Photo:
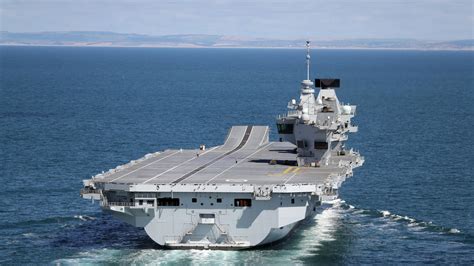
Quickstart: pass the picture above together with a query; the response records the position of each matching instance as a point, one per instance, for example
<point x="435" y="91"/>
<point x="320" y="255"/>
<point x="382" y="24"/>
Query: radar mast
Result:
<point x="308" y="59"/>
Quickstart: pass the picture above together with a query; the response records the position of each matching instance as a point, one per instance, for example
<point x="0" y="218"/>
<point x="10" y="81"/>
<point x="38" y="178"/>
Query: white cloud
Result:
<point x="335" y="19"/>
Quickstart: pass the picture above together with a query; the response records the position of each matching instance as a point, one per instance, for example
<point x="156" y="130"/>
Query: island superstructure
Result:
<point x="246" y="192"/>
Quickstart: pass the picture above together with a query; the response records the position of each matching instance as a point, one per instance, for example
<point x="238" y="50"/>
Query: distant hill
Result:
<point x="92" y="38"/>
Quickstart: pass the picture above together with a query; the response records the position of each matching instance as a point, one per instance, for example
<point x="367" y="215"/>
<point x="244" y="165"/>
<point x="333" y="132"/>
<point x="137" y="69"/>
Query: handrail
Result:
<point x="288" y="114"/>
<point x="292" y="112"/>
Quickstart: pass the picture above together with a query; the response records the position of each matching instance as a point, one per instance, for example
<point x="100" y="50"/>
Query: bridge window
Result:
<point x="219" y="200"/>
<point x="285" y="128"/>
<point x="320" y="145"/>
<point x="243" y="202"/>
<point x="194" y="200"/>
<point x="327" y="109"/>
<point x="168" y="202"/>
<point x="301" y="144"/>
<point x="206" y="215"/>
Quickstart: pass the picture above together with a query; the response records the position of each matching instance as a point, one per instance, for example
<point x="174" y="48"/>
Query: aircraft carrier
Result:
<point x="246" y="192"/>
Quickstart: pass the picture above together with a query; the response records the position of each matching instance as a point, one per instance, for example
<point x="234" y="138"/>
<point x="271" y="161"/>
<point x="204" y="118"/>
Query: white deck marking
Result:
<point x="174" y="167"/>
<point x="243" y="160"/>
<point x="293" y="175"/>
<point x="264" y="134"/>
<point x="144" y="166"/>
<point x="237" y="143"/>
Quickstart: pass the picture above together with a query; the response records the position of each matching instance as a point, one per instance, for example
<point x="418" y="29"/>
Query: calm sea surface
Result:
<point x="69" y="113"/>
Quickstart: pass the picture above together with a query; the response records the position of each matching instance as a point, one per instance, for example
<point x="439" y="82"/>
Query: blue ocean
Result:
<point x="67" y="113"/>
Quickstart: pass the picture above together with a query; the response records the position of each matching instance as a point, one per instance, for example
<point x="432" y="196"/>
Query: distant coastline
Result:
<point x="111" y="39"/>
<point x="238" y="47"/>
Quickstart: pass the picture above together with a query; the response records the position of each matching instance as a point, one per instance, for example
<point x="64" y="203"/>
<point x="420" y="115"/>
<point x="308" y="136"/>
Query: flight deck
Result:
<point x="245" y="157"/>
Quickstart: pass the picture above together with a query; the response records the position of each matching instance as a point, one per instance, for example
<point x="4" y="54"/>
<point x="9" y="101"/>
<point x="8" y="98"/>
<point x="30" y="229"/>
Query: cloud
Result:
<point x="335" y="19"/>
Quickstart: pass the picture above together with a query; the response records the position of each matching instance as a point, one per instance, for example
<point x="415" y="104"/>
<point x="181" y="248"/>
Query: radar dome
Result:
<point x="307" y="83"/>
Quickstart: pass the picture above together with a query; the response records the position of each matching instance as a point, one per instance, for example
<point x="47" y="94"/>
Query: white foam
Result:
<point x="323" y="231"/>
<point x="91" y="257"/>
<point x="80" y="217"/>
<point x="84" y="217"/>
<point x="29" y="235"/>
<point x="397" y="217"/>
<point x="334" y="202"/>
<point x="454" y="231"/>
<point x="151" y="257"/>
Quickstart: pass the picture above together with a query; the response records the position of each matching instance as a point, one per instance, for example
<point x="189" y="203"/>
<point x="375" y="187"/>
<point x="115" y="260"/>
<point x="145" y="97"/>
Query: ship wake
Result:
<point x="412" y="223"/>
<point x="327" y="238"/>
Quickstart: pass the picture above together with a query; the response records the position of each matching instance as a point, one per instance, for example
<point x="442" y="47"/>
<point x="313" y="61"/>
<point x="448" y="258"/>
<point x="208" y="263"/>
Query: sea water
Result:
<point x="67" y="113"/>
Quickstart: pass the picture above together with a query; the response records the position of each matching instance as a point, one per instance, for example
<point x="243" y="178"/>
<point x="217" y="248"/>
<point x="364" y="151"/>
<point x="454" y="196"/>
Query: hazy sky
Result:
<point x="330" y="19"/>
